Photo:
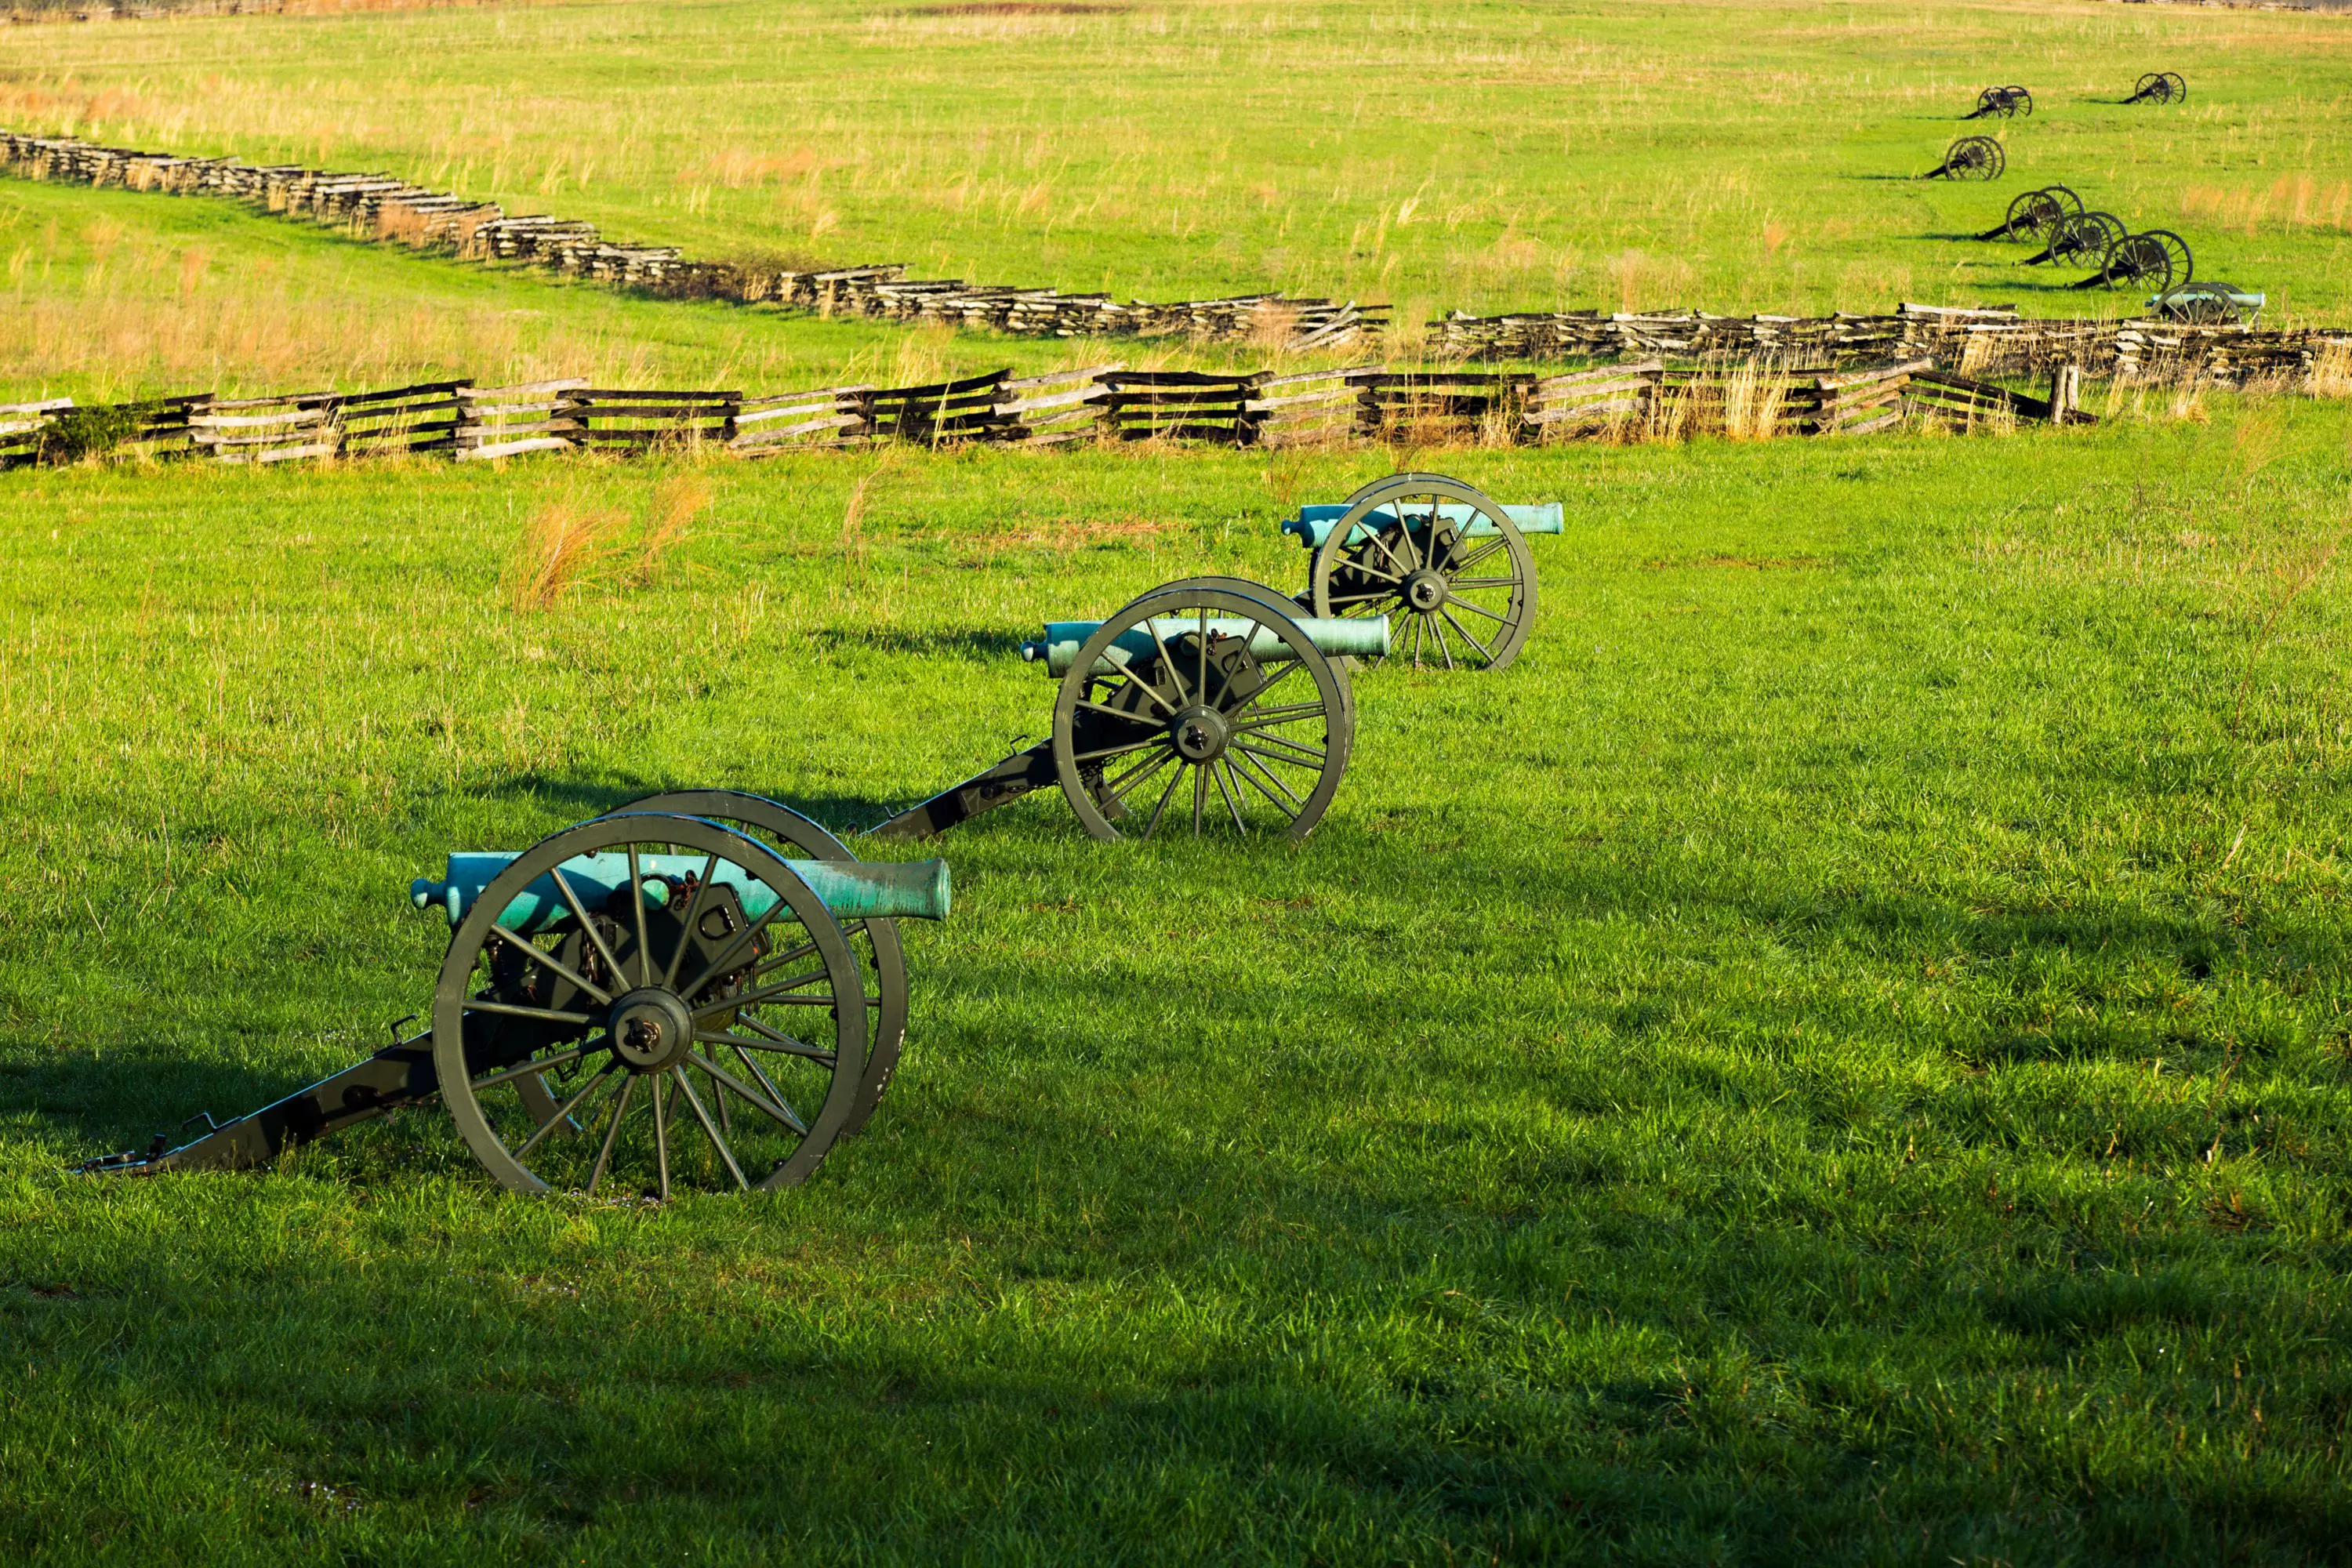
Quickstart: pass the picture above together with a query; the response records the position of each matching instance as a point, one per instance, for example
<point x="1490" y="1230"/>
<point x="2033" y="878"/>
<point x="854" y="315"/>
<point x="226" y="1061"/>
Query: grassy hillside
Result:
<point x="1485" y="156"/>
<point x="1839" y="1056"/>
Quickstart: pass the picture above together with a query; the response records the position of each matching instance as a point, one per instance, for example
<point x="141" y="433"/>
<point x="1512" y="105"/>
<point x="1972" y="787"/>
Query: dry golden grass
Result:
<point x="678" y="501"/>
<point x="2331" y="373"/>
<point x="567" y="538"/>
<point x="1752" y="395"/>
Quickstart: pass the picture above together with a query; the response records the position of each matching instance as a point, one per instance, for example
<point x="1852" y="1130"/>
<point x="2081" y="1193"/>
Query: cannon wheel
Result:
<point x="2180" y="267"/>
<point x="2175" y="87"/>
<point x="2021" y="101"/>
<point x="2204" y="305"/>
<point x="1975" y="158"/>
<point x="2149" y="87"/>
<point x="2032" y="212"/>
<point x="880" y="954"/>
<point x="2068" y="201"/>
<point x="2141" y="260"/>
<point x="1988" y="101"/>
<point x="1424" y="573"/>
<point x="2086" y="239"/>
<point x="1190" y="709"/>
<point x="612" y="1005"/>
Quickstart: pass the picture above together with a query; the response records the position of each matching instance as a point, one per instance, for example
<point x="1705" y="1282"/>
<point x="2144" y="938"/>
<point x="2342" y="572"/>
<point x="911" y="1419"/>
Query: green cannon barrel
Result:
<point x="1314" y="523"/>
<point x="1364" y="637"/>
<point x="852" y="890"/>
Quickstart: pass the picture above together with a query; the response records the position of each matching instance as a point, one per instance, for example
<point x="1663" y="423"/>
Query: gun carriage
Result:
<point x="654" y="996"/>
<point x="2006" y="103"/>
<point x="1970" y="158"/>
<point x="2035" y="214"/>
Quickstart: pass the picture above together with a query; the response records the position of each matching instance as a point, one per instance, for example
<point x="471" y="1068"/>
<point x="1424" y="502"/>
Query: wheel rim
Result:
<point x="2180" y="267"/>
<point x="772" y="1005"/>
<point x="1429" y="573"/>
<point x="1241" y="728"/>
<point x="874" y="943"/>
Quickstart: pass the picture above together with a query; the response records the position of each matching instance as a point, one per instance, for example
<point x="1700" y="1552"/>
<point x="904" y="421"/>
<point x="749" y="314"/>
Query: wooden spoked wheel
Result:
<point x="644" y="968"/>
<point x="1294" y="604"/>
<point x="2159" y="260"/>
<point x="2019" y="100"/>
<point x="1975" y="158"/>
<point x="2086" y="239"/>
<point x="1442" y="560"/>
<point x="1201" y="711"/>
<point x="2178" y="89"/>
<point x="880" y="954"/>
<point x="2032" y="215"/>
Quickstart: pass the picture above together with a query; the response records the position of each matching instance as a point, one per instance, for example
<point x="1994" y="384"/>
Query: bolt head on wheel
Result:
<point x="1199" y="733"/>
<point x="1426" y="590"/>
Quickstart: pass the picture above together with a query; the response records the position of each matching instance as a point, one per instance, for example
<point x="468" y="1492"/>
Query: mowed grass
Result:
<point x="1488" y="156"/>
<point x="1840" y="1055"/>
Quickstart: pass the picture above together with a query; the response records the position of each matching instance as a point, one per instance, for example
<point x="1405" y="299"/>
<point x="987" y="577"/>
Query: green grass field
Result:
<point x="1839" y="1055"/>
<point x="1842" y="1054"/>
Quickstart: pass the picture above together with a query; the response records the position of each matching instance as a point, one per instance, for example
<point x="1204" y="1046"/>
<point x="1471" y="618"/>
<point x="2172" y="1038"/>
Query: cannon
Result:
<point x="1213" y="694"/>
<point x="2208" y="304"/>
<point x="1970" y="158"/>
<point x="1430" y="553"/>
<point x="2034" y="215"/>
<point x="2080" y="239"/>
<point x="2159" y="87"/>
<point x="2158" y="259"/>
<point x="2006" y="103"/>
<point x="655" y="996"/>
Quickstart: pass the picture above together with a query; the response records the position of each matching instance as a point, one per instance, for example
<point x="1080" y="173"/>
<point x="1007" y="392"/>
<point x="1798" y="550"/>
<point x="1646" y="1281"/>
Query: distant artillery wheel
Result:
<point x="622" y="991"/>
<point x="2157" y="260"/>
<point x="2019" y="100"/>
<point x="2065" y="198"/>
<point x="2207" y="304"/>
<point x="875" y="943"/>
<point x="1211" y="702"/>
<point x="1434" y="554"/>
<point x="1988" y="103"/>
<point x="2152" y="87"/>
<point x="2178" y="92"/>
<point x="1973" y="158"/>
<point x="2086" y="239"/>
<point x="2034" y="214"/>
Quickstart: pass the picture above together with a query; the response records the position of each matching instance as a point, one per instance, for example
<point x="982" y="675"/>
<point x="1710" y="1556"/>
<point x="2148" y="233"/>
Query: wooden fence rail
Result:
<point x="469" y="423"/>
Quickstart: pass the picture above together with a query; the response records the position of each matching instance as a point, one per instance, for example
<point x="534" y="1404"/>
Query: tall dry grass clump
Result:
<point x="1753" y="395"/>
<point x="565" y="540"/>
<point x="2331" y="371"/>
<point x="676" y="502"/>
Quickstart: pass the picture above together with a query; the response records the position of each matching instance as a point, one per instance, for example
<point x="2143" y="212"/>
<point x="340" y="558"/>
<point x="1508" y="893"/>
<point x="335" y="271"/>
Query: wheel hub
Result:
<point x="1425" y="590"/>
<point x="650" y="1029"/>
<point x="1199" y="733"/>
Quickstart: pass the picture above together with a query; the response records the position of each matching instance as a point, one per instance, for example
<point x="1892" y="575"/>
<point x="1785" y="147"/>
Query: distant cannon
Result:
<point x="1431" y="554"/>
<point x="2209" y="304"/>
<point x="1213" y="694"/>
<point x="2158" y="259"/>
<point x="1970" y="158"/>
<point x="2159" y="87"/>
<point x="2006" y="103"/>
<point x="2034" y="215"/>
<point x="2080" y="239"/>
<point x="679" y="955"/>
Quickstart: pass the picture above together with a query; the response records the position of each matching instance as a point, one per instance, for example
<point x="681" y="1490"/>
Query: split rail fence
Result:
<point x="1108" y="402"/>
<point x="382" y="208"/>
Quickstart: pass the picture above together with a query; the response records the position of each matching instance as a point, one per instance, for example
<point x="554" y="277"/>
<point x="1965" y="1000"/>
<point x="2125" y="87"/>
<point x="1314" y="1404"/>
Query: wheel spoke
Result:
<point x="1174" y="780"/>
<point x="694" y="1103"/>
<point x="1167" y="662"/>
<point x="727" y="1081"/>
<point x="1293" y="714"/>
<point x="1231" y="808"/>
<point x="1299" y="752"/>
<point x="564" y="1112"/>
<point x="1480" y="553"/>
<point x="1121" y="713"/>
<point x="1279" y="675"/>
<point x="540" y="1065"/>
<point x="686" y="925"/>
<point x="542" y="956"/>
<point x="776" y="960"/>
<point x="645" y="957"/>
<point x="791" y="1118"/>
<point x="1135" y="778"/>
<point x="661" y="1135"/>
<point x="1480" y="609"/>
<point x="766" y="993"/>
<point x="743" y="939"/>
<point x="1116" y="750"/>
<point x="611" y="1133"/>
<point x="1442" y="646"/>
<point x="1250" y="773"/>
<point x="595" y="937"/>
<point x="776" y="1041"/>
<point x="517" y="1010"/>
<point x="1465" y="634"/>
